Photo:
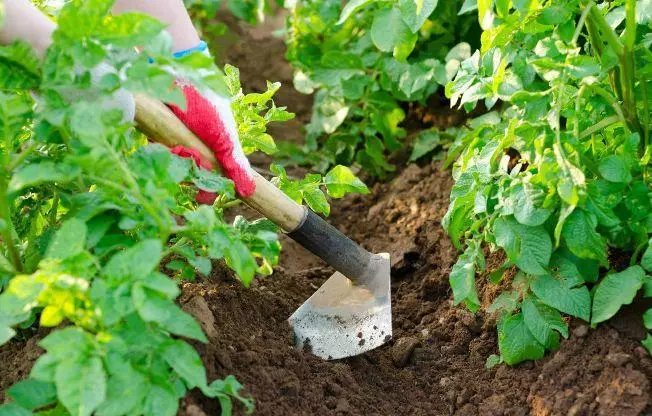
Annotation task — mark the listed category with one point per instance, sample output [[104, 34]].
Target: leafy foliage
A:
[[560, 175], [90, 213], [362, 61]]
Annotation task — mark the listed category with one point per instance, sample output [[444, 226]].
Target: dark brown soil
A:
[[435, 363], [603, 371]]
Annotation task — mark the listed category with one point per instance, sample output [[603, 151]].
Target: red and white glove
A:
[[209, 116]]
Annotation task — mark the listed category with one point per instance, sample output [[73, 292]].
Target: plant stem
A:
[[8, 229], [52, 217], [599, 126], [580, 23], [603, 26], [611, 100], [20, 157], [231, 203], [180, 242], [164, 230], [630, 24], [625, 54]]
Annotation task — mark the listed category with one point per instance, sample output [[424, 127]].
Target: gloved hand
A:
[[209, 116]]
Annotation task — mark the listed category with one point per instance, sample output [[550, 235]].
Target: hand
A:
[[209, 116]]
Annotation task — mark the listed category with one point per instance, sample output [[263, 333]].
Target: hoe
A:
[[351, 312]]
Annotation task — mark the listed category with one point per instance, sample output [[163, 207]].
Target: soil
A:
[[435, 364]]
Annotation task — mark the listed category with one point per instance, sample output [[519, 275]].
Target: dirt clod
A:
[[198, 308], [581, 331], [618, 358], [402, 350]]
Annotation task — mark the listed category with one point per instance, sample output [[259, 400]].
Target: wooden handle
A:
[[158, 122]]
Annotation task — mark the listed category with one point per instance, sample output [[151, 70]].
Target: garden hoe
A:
[[351, 312]]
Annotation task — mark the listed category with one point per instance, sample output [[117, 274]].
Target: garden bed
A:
[[435, 365]]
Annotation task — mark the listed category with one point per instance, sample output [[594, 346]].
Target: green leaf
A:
[[647, 343], [425, 142], [582, 238], [81, 384], [647, 318], [12, 409], [128, 30], [516, 342], [201, 219], [527, 247], [138, 261], [352, 7], [239, 258], [646, 259], [126, 390], [161, 401], [20, 67], [162, 284], [390, 33], [44, 368], [153, 308], [527, 205], [574, 269], [462, 280], [614, 291], [58, 343], [213, 182], [647, 287], [541, 320], [468, 6], [493, 360], [6, 333], [68, 241], [460, 212], [615, 169], [186, 362], [505, 302], [556, 293], [554, 15], [80, 18], [340, 181], [415, 16], [38, 173], [316, 200], [224, 389], [32, 394]]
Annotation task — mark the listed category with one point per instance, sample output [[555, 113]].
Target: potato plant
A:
[[362, 61], [92, 215], [559, 179]]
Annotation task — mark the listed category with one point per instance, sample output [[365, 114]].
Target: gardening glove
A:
[[209, 116], [120, 99]]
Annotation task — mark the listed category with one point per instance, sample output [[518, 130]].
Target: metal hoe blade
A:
[[342, 319]]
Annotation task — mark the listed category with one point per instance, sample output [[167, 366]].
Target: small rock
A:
[[194, 410], [445, 382], [332, 389], [375, 210], [641, 352], [527, 365], [224, 358], [468, 409], [463, 397], [575, 409], [581, 331], [618, 358], [330, 402], [402, 350], [342, 405], [198, 307]]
